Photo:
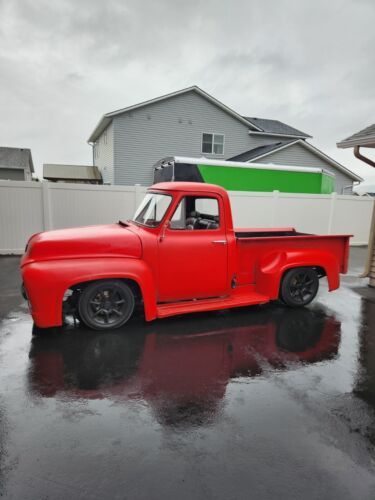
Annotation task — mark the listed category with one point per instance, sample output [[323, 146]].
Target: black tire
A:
[[106, 305], [39, 332], [299, 286], [299, 329]]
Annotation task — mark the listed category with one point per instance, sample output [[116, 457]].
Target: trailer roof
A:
[[223, 163]]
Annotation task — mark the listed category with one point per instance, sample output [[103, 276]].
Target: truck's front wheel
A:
[[105, 305], [299, 286]]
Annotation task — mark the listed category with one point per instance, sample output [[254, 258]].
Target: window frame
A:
[[196, 231], [167, 195], [212, 143]]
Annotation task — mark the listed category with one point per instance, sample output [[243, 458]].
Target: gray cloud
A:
[[63, 64]]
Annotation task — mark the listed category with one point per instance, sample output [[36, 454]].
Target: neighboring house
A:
[[85, 174], [367, 187], [128, 142], [16, 164], [365, 139]]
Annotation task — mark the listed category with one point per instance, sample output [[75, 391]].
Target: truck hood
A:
[[112, 240]]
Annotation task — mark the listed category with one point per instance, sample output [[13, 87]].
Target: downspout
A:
[[93, 158], [93, 154], [358, 155], [370, 252]]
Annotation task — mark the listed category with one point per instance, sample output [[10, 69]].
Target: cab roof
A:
[[195, 187]]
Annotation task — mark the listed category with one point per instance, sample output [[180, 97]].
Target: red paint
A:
[[171, 266]]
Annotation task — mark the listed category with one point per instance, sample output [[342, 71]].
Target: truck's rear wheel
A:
[[105, 305], [299, 286]]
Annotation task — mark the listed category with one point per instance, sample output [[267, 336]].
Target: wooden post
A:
[[370, 265]]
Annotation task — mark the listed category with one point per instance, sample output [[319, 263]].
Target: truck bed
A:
[[254, 246], [267, 233]]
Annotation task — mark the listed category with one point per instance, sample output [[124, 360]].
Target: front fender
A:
[[273, 265], [47, 281]]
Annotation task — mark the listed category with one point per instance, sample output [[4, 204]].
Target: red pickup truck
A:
[[179, 254]]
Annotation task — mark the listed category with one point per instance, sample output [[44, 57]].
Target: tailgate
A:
[[344, 262]]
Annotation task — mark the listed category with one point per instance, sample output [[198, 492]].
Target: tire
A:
[[39, 332], [106, 305], [299, 330], [299, 286]]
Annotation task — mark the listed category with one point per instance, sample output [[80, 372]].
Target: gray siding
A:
[[103, 155], [297, 155], [18, 159], [13, 174], [173, 127]]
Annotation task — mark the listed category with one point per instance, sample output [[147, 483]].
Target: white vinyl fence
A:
[[30, 207]]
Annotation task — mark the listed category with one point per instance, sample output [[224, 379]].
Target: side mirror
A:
[[165, 227]]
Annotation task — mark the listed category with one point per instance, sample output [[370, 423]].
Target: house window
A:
[[213, 144]]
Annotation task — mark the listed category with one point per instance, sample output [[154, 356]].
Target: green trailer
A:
[[238, 176]]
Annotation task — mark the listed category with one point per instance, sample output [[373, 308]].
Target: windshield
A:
[[152, 209]]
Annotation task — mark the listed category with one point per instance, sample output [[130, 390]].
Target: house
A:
[[365, 139], [84, 174], [128, 142], [16, 164]]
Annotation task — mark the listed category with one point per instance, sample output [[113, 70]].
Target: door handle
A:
[[219, 242]]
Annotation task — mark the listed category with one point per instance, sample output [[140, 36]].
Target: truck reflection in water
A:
[[180, 368]]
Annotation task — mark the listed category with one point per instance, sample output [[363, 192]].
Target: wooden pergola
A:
[[365, 139]]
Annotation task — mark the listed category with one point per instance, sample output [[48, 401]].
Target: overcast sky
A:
[[64, 63]]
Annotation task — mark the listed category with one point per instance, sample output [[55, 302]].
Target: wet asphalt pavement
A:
[[262, 402]]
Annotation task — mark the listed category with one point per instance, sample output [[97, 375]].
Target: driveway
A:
[[263, 402]]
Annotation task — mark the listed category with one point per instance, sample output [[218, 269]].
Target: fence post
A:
[[47, 212], [331, 212], [275, 202], [138, 195]]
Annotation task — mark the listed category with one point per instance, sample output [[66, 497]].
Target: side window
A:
[[195, 213]]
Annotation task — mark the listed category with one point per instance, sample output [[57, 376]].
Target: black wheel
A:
[[299, 286], [299, 329], [105, 305]]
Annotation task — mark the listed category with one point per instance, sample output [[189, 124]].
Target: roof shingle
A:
[[365, 137], [259, 151], [275, 127]]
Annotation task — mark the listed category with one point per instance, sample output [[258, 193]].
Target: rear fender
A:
[[272, 266], [47, 281]]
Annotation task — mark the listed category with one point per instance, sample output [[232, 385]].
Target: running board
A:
[[242, 296]]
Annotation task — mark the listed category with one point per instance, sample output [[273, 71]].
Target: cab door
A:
[[193, 251]]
